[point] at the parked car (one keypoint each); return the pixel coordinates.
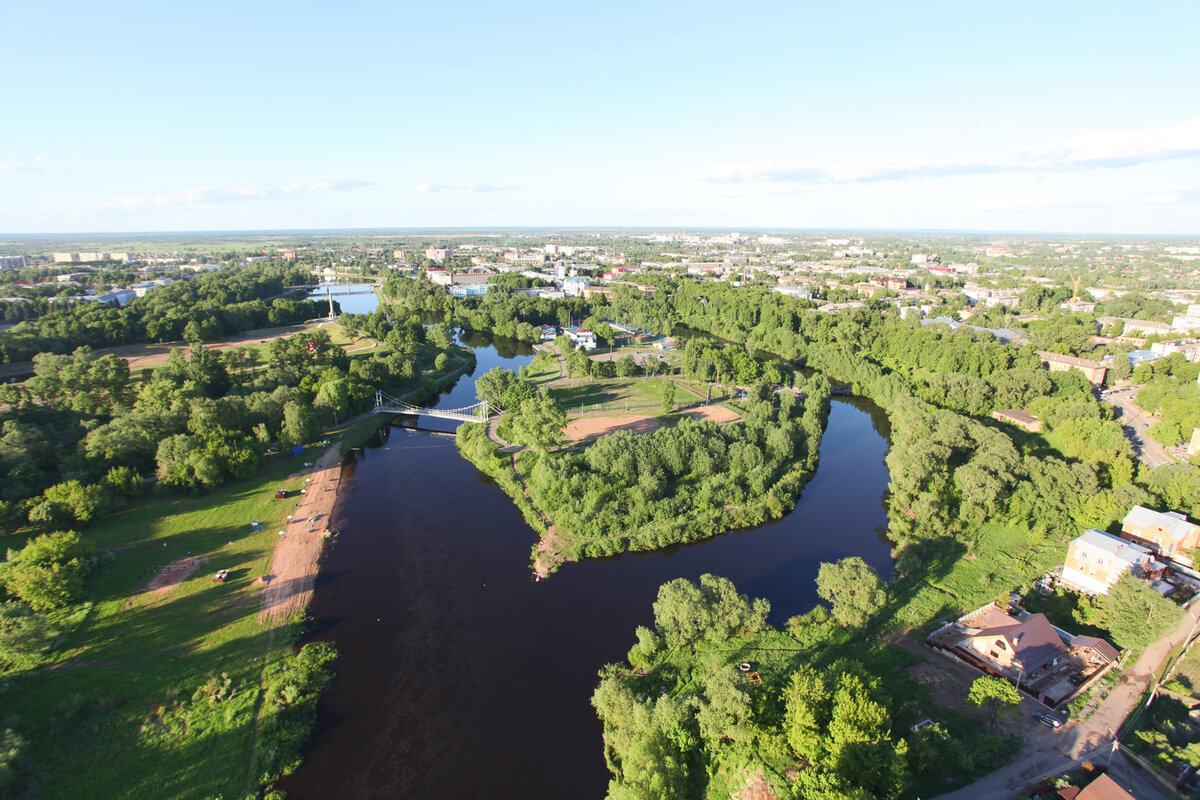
(1046, 719)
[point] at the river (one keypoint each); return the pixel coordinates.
(461, 677)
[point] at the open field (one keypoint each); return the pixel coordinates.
(107, 715)
(592, 393)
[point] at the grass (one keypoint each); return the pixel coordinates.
(542, 370)
(101, 717)
(955, 580)
(610, 392)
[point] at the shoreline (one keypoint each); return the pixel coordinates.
(292, 574)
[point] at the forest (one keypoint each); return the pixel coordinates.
(205, 308)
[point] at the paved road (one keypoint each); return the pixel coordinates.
(1049, 752)
(1136, 421)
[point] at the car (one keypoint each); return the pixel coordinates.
(1046, 719)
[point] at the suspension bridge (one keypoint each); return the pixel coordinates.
(386, 404)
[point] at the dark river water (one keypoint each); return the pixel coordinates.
(461, 677)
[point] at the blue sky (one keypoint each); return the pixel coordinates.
(131, 116)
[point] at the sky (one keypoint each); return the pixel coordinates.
(1021, 116)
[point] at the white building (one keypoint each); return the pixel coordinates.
(582, 337)
(1096, 560)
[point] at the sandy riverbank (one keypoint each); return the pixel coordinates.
(293, 568)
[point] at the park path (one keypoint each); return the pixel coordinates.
(1051, 752)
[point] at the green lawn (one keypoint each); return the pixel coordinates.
(100, 718)
(542, 370)
(617, 391)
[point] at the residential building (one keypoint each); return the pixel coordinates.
(800, 292)
(1189, 347)
(1044, 662)
(64, 258)
(438, 254)
(990, 298)
(582, 337)
(12, 262)
(1166, 533)
(1078, 307)
(1194, 444)
(1021, 646)
(573, 287)
(1019, 417)
(1094, 371)
(548, 332)
(1102, 788)
(398, 255)
(118, 297)
(1096, 560)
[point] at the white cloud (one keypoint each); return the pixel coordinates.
(221, 194)
(463, 186)
(1091, 151)
(37, 164)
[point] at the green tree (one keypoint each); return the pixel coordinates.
(300, 424)
(1136, 615)
(996, 696)
(48, 572)
(440, 336)
(539, 423)
(668, 396)
(853, 588)
(626, 367)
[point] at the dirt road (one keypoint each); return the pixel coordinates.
(293, 568)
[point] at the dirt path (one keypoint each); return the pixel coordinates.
(294, 563)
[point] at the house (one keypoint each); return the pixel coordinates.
(1094, 371)
(1096, 560)
(1019, 417)
(1043, 662)
(1167, 534)
(582, 337)
(548, 332)
(1023, 647)
(1102, 788)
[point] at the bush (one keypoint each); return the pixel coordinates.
(48, 572)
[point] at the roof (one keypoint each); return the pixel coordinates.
(1104, 788)
(1059, 358)
(1020, 415)
(1122, 549)
(1099, 645)
(1174, 523)
(1034, 641)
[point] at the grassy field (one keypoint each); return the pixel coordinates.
(110, 715)
(543, 369)
(612, 392)
(1000, 560)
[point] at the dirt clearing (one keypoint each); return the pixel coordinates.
(294, 564)
(173, 574)
(584, 428)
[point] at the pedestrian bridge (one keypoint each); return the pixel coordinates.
(386, 404)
